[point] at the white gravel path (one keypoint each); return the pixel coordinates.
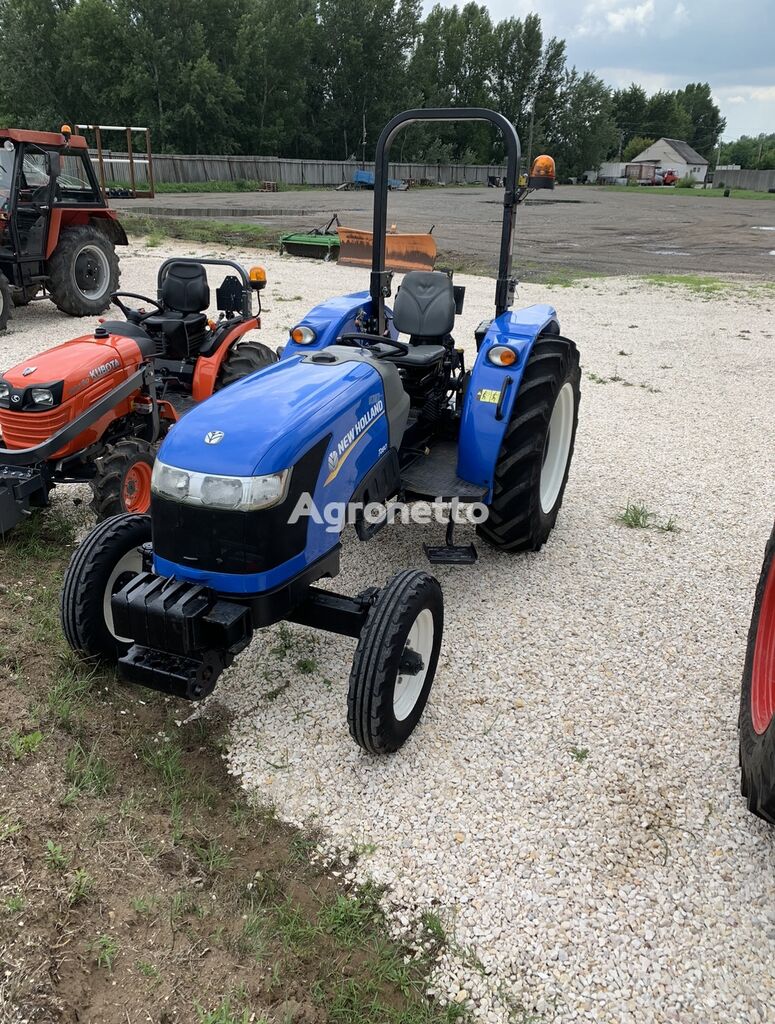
(570, 804)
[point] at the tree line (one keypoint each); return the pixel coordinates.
(319, 78)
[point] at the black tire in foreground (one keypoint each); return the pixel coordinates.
(100, 567)
(244, 358)
(6, 302)
(122, 481)
(395, 662)
(757, 697)
(537, 448)
(83, 271)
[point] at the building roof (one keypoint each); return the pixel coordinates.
(681, 149)
(685, 151)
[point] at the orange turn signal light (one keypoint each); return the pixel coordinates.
(502, 356)
(303, 335)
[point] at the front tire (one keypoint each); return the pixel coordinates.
(83, 271)
(122, 481)
(99, 568)
(243, 359)
(5, 302)
(537, 448)
(757, 697)
(395, 662)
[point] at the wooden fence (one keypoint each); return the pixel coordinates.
(759, 181)
(169, 168)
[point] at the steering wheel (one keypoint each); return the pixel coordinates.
(134, 315)
(367, 340)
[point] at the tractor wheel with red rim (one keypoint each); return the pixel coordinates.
(757, 698)
(122, 480)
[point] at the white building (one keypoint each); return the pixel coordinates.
(674, 155)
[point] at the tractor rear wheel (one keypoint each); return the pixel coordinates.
(104, 563)
(244, 358)
(395, 662)
(536, 451)
(5, 302)
(122, 481)
(757, 697)
(83, 271)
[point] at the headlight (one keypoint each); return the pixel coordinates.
(502, 356)
(42, 396)
(238, 493)
(303, 335)
(5, 391)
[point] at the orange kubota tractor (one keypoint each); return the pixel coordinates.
(94, 409)
(57, 233)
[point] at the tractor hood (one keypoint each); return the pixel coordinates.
(266, 422)
(76, 365)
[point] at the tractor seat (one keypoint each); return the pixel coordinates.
(185, 295)
(425, 310)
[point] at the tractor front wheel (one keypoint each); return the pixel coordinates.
(244, 358)
(103, 564)
(122, 480)
(395, 662)
(5, 302)
(83, 271)
(757, 697)
(536, 451)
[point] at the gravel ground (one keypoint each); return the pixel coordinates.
(569, 806)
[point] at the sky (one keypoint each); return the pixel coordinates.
(663, 44)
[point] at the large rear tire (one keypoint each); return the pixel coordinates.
(83, 271)
(99, 568)
(537, 448)
(244, 358)
(757, 697)
(395, 662)
(122, 481)
(5, 302)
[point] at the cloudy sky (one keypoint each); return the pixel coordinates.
(663, 44)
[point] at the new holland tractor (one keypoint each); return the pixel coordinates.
(367, 403)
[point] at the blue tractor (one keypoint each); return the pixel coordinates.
(366, 404)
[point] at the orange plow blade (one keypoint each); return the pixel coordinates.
(404, 251)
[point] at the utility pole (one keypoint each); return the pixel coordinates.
(363, 143)
(530, 136)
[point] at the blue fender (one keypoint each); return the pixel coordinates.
(481, 433)
(331, 319)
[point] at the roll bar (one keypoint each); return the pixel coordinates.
(195, 261)
(380, 278)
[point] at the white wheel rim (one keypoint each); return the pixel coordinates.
(557, 447)
(409, 685)
(131, 562)
(96, 267)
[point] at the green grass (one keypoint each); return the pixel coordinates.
(224, 1014)
(579, 754)
(55, 855)
(22, 745)
(700, 284)
(104, 949)
(87, 773)
(713, 193)
(237, 185)
(14, 903)
(8, 829)
(349, 919)
(200, 229)
(81, 886)
(635, 515)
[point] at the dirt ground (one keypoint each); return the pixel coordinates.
(582, 228)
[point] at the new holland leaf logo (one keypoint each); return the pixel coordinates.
(214, 437)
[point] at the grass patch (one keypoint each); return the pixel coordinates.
(635, 515)
(667, 190)
(81, 885)
(200, 229)
(104, 950)
(579, 754)
(237, 185)
(87, 773)
(22, 745)
(55, 856)
(699, 284)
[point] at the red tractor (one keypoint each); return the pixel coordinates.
(757, 698)
(57, 233)
(94, 409)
